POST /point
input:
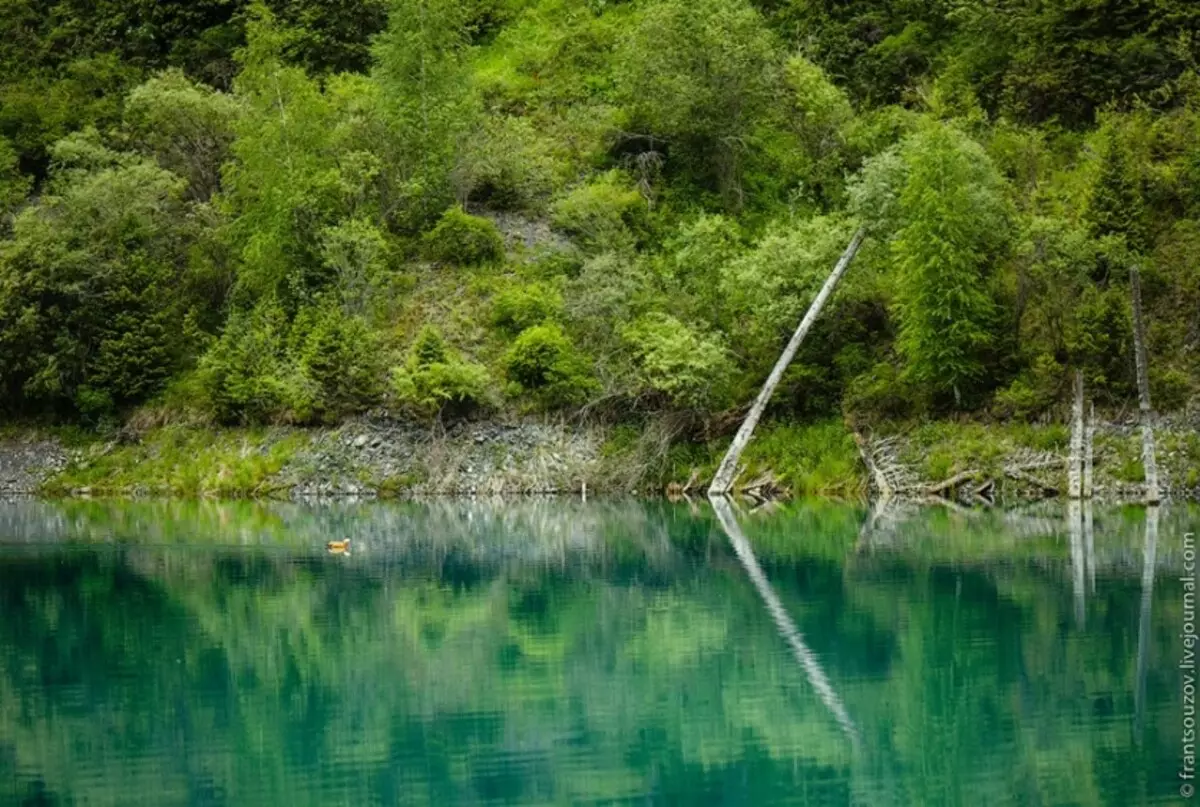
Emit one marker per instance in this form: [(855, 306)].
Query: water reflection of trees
[(552, 652)]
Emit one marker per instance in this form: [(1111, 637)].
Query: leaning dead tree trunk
[(1075, 462), (1149, 462), (723, 482)]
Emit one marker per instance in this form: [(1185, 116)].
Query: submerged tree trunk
[(723, 481), (1149, 462), (1075, 461)]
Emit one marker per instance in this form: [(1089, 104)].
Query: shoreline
[(946, 461)]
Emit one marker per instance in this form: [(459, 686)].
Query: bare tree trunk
[(1089, 437), (723, 481), (1075, 462), (1149, 462)]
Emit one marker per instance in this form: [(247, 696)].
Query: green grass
[(180, 461)]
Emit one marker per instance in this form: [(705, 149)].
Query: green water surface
[(556, 652)]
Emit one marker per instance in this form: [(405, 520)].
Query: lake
[(613, 652)]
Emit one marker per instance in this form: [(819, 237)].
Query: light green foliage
[(704, 74), (692, 370), (544, 362), (520, 307), (460, 239), (768, 289), (881, 392), (359, 254), (235, 198), (435, 380), (607, 214), (1033, 391), (508, 166), (188, 127), (426, 98), (698, 254)]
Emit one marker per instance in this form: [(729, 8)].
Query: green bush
[(606, 214), (1170, 388), (244, 375), (460, 239), (1033, 391), (880, 392), (692, 370), (320, 367), (435, 380), (542, 360), (339, 361), (521, 307)]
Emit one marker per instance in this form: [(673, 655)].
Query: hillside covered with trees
[(293, 211)]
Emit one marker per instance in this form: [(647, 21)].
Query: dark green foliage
[(91, 284), (320, 367), (1116, 206), (460, 239)]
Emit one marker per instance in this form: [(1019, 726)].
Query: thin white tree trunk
[(1089, 438), (723, 481), (1075, 461), (1149, 461)]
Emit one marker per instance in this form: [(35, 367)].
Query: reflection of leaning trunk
[(1151, 548), (1078, 559), (787, 628)]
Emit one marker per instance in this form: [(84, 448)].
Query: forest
[(292, 212)]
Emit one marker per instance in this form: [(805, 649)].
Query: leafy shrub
[(461, 239), (691, 369), (1170, 388), (436, 380), (606, 214), (244, 375), (318, 368), (507, 167), (521, 307), (543, 360), (880, 392), (1033, 391), (339, 360)]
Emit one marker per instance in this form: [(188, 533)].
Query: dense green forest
[(291, 211)]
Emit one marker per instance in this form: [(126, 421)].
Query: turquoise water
[(554, 652)]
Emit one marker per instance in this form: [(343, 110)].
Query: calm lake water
[(554, 652)]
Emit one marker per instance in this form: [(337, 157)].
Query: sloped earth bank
[(383, 458)]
